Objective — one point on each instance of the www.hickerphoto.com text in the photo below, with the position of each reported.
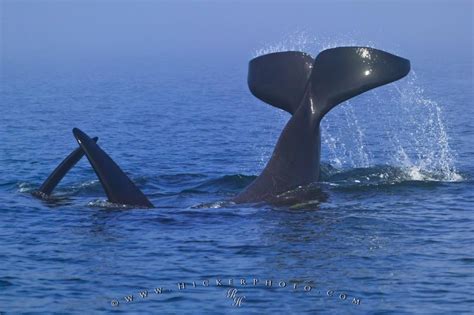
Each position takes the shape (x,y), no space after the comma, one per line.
(242,283)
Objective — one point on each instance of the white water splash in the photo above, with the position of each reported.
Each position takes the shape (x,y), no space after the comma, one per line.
(107,205)
(25,187)
(423,148)
(297,41)
(396,124)
(302,41)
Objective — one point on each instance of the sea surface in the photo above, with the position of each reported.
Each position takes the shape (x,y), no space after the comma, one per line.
(388,230)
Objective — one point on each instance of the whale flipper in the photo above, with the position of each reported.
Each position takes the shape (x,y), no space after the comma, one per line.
(337,74)
(59,172)
(118,187)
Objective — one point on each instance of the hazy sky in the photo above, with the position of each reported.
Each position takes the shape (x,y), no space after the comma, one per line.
(54,31)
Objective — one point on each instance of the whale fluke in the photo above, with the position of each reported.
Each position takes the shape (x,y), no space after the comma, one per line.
(59,172)
(118,187)
(344,72)
(280,79)
(308,92)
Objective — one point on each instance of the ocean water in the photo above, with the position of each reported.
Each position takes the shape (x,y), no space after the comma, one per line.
(388,230)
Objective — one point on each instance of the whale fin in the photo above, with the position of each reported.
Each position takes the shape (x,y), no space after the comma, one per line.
(60,171)
(279,79)
(118,187)
(344,72)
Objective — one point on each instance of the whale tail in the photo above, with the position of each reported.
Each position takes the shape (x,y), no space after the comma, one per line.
(309,90)
(335,75)
(118,187)
(59,172)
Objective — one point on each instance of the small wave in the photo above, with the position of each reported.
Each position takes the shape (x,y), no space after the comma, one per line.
(173,180)
(382,175)
(226,183)
(214,205)
(88,186)
(25,187)
(108,205)
(5,283)
(415,173)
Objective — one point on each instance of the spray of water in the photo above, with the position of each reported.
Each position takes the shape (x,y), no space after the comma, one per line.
(420,140)
(408,131)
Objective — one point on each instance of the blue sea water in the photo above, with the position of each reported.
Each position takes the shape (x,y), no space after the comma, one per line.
(389,230)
